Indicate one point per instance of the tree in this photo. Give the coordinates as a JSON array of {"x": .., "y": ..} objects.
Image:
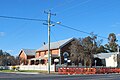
[
  {"x": 101, "y": 49},
  {"x": 89, "y": 46},
  {"x": 76, "y": 51},
  {"x": 82, "y": 50},
  {"x": 1, "y": 52},
  {"x": 112, "y": 45},
  {"x": 6, "y": 59}
]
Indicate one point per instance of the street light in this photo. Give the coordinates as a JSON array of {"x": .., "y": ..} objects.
[{"x": 58, "y": 22}]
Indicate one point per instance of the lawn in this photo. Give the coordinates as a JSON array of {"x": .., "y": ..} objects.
[
  {"x": 22, "y": 71},
  {"x": 38, "y": 71}
]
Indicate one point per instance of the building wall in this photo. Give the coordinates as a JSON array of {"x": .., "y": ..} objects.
[
  {"x": 23, "y": 58},
  {"x": 29, "y": 57},
  {"x": 111, "y": 62},
  {"x": 40, "y": 54},
  {"x": 43, "y": 53},
  {"x": 55, "y": 51},
  {"x": 65, "y": 49},
  {"x": 37, "y": 54}
]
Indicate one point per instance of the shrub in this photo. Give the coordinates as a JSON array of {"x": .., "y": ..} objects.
[{"x": 13, "y": 67}]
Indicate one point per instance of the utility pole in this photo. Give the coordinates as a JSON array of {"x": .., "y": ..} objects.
[{"x": 49, "y": 24}]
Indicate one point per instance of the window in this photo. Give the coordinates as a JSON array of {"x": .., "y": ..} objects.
[
  {"x": 42, "y": 61},
  {"x": 39, "y": 54},
  {"x": 37, "y": 62},
  {"x": 45, "y": 53}
]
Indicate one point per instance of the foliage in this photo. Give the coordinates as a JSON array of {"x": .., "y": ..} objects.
[
  {"x": 6, "y": 59},
  {"x": 15, "y": 68},
  {"x": 76, "y": 52},
  {"x": 83, "y": 49},
  {"x": 112, "y": 45},
  {"x": 101, "y": 49}
]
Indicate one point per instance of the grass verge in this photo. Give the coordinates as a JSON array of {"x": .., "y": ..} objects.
[{"x": 38, "y": 71}]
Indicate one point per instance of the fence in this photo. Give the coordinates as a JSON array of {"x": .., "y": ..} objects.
[
  {"x": 70, "y": 71},
  {"x": 36, "y": 67},
  {"x": 4, "y": 67}
]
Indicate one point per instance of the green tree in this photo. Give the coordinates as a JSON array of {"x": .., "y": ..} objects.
[
  {"x": 112, "y": 45},
  {"x": 82, "y": 50}
]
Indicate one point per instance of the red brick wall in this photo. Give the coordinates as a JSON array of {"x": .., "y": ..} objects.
[
  {"x": 43, "y": 53},
  {"x": 37, "y": 54},
  {"x": 29, "y": 57},
  {"x": 23, "y": 57},
  {"x": 65, "y": 49},
  {"x": 55, "y": 51}
]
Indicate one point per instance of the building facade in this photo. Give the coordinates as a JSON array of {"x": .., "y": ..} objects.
[
  {"x": 57, "y": 49},
  {"x": 25, "y": 55},
  {"x": 107, "y": 59}
]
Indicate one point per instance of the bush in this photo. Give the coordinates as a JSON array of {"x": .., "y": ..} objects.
[
  {"x": 15, "y": 68},
  {"x": 1, "y": 68}
]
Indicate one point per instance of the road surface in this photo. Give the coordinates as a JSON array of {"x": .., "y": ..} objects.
[{"x": 19, "y": 76}]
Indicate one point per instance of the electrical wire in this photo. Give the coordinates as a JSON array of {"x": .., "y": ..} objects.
[
  {"x": 74, "y": 6},
  {"x": 78, "y": 30},
  {"x": 21, "y": 18},
  {"x": 55, "y": 38},
  {"x": 51, "y": 22},
  {"x": 63, "y": 4}
]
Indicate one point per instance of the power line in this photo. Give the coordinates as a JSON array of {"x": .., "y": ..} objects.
[
  {"x": 54, "y": 37},
  {"x": 60, "y": 5},
  {"x": 73, "y": 29},
  {"x": 74, "y": 6},
  {"x": 9, "y": 17},
  {"x": 78, "y": 30}
]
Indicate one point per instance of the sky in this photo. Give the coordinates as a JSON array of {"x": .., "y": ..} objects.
[{"x": 101, "y": 17}]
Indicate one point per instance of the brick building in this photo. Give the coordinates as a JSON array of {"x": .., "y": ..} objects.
[
  {"x": 25, "y": 55},
  {"x": 57, "y": 49}
]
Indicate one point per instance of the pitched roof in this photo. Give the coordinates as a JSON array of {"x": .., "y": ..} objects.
[
  {"x": 56, "y": 45},
  {"x": 29, "y": 51},
  {"x": 104, "y": 55}
]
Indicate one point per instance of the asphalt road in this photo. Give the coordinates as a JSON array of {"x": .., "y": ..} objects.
[{"x": 19, "y": 76}]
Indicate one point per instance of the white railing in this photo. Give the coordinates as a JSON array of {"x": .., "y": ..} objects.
[{"x": 36, "y": 67}]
